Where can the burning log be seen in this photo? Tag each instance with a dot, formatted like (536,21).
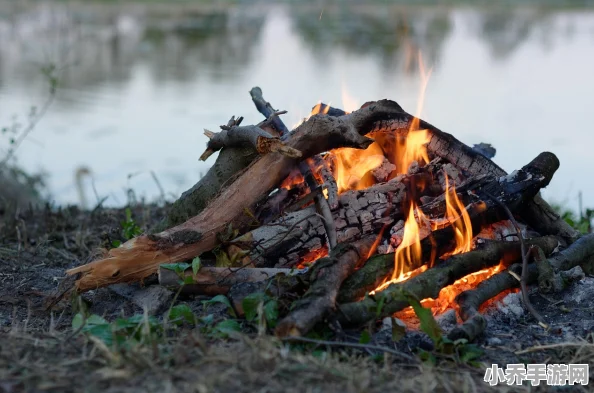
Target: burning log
(429,283)
(555,273)
(141,256)
(470,301)
(286,242)
(513,191)
(537,213)
(325,280)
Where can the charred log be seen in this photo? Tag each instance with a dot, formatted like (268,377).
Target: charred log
(513,191)
(429,283)
(325,280)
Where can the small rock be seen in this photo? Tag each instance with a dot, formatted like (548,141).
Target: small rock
(494,341)
(387,322)
(447,320)
(154,299)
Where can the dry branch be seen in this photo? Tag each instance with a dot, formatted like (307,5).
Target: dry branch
(470,301)
(429,283)
(254,136)
(325,279)
(141,256)
(565,263)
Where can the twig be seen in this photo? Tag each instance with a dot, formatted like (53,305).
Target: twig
(321,204)
(524,253)
(553,346)
(266,109)
(351,345)
(35,119)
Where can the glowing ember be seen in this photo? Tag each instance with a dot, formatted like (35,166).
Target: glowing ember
(448,294)
(312,256)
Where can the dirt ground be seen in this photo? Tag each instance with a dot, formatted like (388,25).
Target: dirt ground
(40,351)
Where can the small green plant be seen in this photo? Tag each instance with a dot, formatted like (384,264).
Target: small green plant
(262,309)
(581,222)
(129,228)
(180,267)
(460,350)
(222,299)
(121,333)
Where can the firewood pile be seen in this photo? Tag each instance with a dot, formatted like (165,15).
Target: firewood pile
(347,215)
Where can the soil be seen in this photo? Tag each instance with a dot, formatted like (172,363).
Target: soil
(40,351)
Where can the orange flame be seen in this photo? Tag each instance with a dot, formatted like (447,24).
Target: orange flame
(352,166)
(408,258)
(349,103)
(463,226)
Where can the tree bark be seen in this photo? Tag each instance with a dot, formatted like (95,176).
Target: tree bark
(141,256)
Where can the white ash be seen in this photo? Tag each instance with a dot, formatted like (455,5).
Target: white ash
(447,320)
(584,291)
(512,304)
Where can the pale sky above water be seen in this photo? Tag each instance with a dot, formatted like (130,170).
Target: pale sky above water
(146,109)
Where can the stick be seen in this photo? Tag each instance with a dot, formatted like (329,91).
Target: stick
(429,283)
(470,301)
(325,280)
(266,109)
(254,136)
(352,345)
(523,285)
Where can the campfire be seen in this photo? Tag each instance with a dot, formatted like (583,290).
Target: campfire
(348,216)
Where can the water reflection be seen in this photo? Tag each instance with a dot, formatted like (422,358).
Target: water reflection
(394,37)
(138,83)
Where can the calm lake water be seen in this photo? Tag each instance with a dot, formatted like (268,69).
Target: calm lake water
(140,83)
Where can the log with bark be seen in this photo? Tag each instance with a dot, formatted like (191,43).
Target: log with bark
(429,283)
(140,257)
(565,268)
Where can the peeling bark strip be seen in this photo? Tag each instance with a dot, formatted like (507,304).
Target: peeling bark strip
(429,283)
(325,279)
(139,257)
